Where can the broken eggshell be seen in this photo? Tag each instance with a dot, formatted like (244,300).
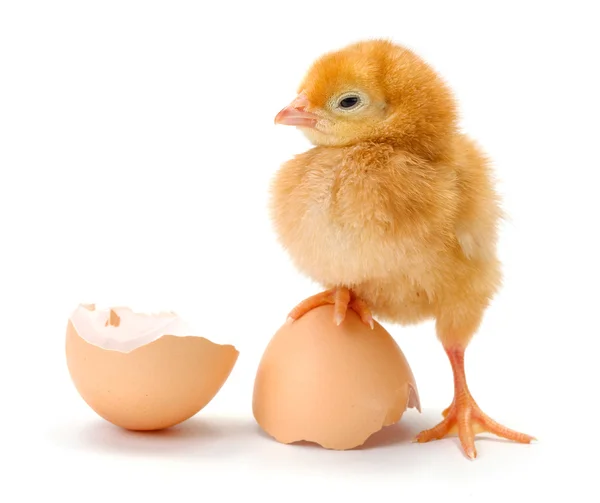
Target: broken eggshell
(331,385)
(143,371)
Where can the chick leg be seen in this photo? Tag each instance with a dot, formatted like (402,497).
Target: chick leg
(342,298)
(464,415)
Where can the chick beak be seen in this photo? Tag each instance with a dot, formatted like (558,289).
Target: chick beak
(295,114)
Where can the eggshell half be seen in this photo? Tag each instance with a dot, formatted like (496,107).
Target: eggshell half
(331,385)
(143,372)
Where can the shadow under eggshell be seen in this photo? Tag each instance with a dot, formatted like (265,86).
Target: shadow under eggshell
(153,387)
(331,385)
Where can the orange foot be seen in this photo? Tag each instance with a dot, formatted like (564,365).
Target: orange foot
(465,417)
(342,298)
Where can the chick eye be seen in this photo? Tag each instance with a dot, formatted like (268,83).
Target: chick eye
(349,102)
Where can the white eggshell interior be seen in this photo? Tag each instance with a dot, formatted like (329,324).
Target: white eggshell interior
(125,330)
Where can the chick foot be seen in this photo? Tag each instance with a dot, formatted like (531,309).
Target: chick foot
(466,418)
(342,298)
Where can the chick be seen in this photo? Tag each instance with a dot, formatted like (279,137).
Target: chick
(393,211)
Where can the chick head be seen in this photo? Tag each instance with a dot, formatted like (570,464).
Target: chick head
(373,91)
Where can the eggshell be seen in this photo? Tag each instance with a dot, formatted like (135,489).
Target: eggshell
(331,385)
(143,372)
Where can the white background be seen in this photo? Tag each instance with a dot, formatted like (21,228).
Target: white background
(136,148)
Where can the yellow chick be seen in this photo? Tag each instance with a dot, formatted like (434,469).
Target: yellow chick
(393,211)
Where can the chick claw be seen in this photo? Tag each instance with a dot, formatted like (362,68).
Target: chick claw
(342,299)
(465,417)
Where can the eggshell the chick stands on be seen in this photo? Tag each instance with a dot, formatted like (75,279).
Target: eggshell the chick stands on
(143,372)
(331,385)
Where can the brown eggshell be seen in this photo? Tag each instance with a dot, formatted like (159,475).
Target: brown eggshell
(154,386)
(331,385)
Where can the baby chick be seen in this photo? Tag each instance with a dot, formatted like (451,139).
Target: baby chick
(393,211)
